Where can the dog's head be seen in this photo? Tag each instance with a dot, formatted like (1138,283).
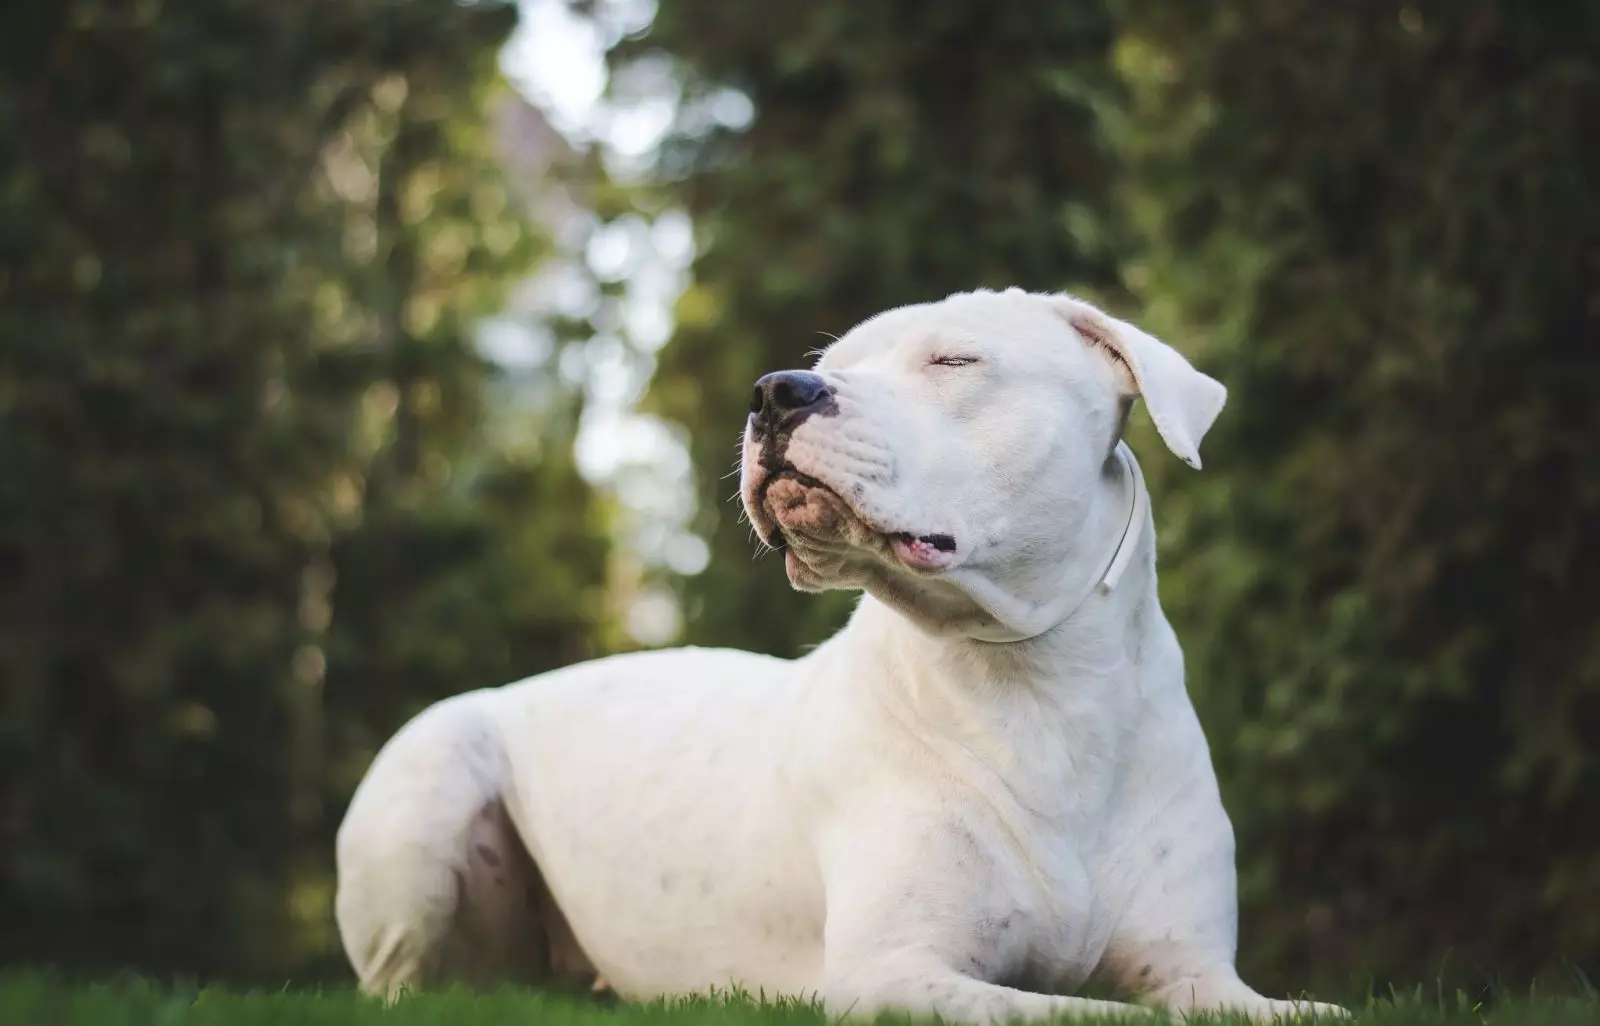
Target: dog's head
(956,459)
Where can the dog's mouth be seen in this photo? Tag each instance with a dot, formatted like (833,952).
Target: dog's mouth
(795,511)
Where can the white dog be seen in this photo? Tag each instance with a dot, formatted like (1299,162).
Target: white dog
(989,786)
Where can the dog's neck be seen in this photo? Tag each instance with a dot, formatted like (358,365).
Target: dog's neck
(1034,726)
(1085,633)
(1097,626)
(1003,702)
(1047,584)
(1101,554)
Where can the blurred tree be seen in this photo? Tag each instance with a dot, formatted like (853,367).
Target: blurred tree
(1381,223)
(900,152)
(240,452)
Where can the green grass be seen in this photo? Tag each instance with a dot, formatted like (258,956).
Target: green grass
(34,1000)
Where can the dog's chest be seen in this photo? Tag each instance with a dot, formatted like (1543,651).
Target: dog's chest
(1035,919)
(1041,917)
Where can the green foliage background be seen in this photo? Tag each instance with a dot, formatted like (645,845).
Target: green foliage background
(252,513)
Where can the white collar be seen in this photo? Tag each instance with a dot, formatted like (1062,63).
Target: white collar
(1138,506)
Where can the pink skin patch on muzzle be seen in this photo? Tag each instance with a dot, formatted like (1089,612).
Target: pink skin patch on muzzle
(927,552)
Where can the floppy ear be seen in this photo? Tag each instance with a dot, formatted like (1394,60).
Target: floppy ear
(1182,401)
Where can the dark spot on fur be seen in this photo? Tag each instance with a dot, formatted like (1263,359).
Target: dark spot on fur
(1144,972)
(988,932)
(488,854)
(1162,851)
(970,847)
(945,999)
(668,882)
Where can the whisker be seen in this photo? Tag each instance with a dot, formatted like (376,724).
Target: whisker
(816,353)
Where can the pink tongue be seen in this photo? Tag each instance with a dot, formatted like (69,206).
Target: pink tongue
(918,553)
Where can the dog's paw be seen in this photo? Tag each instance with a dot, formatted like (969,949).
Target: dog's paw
(1292,1011)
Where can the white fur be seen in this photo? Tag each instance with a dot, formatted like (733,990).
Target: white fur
(909,817)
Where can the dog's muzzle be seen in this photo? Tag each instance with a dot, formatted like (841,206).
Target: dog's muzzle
(789,505)
(780,403)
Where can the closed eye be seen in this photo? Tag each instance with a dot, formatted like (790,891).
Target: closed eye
(953,361)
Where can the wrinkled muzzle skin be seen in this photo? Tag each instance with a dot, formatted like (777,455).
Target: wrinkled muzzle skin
(953,459)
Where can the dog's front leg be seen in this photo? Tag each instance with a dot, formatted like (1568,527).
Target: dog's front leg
(1175,943)
(919,985)
(904,931)
(1219,990)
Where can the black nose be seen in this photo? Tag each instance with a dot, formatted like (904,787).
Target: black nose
(782,398)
